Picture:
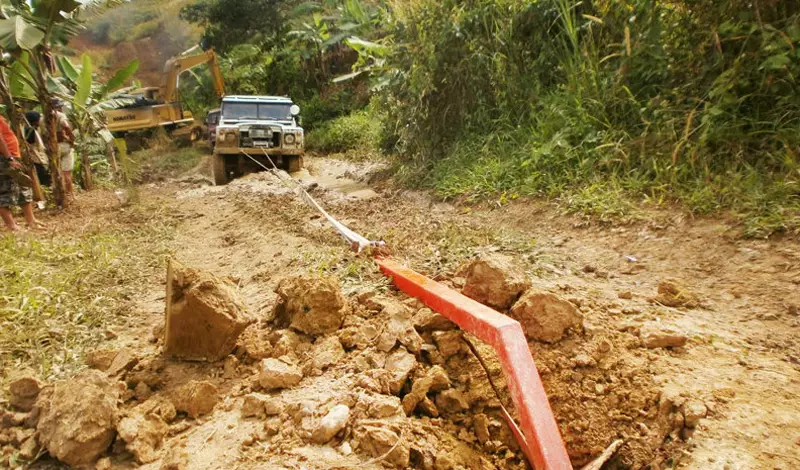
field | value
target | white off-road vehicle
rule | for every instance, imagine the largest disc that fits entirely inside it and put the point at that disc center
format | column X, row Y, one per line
column 264, row 128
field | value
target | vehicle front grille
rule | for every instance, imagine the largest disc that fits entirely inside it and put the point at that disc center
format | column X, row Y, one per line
column 260, row 137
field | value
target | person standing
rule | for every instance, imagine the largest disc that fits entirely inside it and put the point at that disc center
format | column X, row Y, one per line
column 11, row 193
column 36, row 146
column 66, row 139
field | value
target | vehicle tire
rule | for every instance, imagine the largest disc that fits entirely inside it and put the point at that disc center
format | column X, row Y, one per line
column 218, row 168
column 295, row 163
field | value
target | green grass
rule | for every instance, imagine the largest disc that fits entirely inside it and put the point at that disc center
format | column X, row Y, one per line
column 60, row 294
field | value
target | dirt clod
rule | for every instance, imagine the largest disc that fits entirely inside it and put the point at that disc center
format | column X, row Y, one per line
column 451, row 401
column 196, row 398
column 327, row 352
column 448, row 342
column 657, row 336
column 311, row 305
column 101, row 359
column 545, row 316
column 144, row 435
column 30, row 447
column 23, row 390
column 124, row 360
column 276, row 374
column 176, row 458
column 253, row 406
column 378, row 441
column 205, row 315
column 495, row 280
column 331, row 424
column 77, row 421
column 693, row 412
column 399, row 364
column 672, row 293
column 426, row 320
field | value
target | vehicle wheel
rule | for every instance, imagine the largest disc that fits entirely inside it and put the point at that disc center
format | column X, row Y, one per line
column 219, row 170
column 295, row 163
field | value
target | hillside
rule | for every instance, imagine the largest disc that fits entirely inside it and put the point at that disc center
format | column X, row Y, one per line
column 148, row 30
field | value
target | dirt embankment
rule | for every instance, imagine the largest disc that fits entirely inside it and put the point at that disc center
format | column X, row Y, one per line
column 331, row 368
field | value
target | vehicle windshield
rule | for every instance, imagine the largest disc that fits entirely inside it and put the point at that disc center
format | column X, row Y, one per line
column 271, row 111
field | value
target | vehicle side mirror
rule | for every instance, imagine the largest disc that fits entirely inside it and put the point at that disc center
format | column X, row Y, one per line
column 295, row 110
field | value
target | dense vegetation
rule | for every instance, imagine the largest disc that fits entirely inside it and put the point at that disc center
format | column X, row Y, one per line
column 600, row 105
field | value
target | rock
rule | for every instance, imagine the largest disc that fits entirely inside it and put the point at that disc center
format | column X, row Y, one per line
column 103, row 464
column 331, row 424
column 625, row 295
column 494, row 280
column 480, row 424
column 30, row 448
column 382, row 406
column 693, row 412
column 144, row 435
column 230, row 368
column 353, row 338
column 311, row 305
column 448, row 342
column 657, row 336
column 399, row 364
column 451, row 401
column 196, row 398
column 11, row 419
column 289, row 343
column 273, row 407
column 584, row 360
column 159, row 406
column 672, row 294
column 419, row 391
column 101, row 359
column 253, row 406
column 345, row 449
column 205, row 316
column 176, row 458
column 427, row 407
column 276, row 375
column 545, row 317
column 23, row 390
column 142, row 392
column 378, row 441
column 439, row 379
column 254, row 343
column 77, row 422
column 426, row 320
column 123, row 361
column 327, row 352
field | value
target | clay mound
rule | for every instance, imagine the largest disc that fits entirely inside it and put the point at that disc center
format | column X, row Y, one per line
column 310, row 304
column 205, row 316
column 494, row 280
column 545, row 316
column 77, row 419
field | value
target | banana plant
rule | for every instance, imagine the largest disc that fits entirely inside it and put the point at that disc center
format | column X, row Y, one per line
column 91, row 99
column 35, row 27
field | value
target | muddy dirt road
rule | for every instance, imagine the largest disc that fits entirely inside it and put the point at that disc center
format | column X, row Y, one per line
column 688, row 349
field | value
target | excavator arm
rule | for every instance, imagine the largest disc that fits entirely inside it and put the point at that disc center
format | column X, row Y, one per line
column 176, row 66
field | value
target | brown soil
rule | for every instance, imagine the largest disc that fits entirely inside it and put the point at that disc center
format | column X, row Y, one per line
column 725, row 400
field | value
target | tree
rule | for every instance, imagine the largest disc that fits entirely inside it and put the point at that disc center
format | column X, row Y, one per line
column 231, row 22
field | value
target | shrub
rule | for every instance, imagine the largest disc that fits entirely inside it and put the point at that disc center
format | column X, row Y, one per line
column 357, row 131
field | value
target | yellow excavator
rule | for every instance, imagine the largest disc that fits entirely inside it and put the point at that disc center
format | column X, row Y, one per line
column 160, row 107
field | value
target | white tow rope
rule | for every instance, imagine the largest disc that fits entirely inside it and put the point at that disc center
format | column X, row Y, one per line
column 356, row 241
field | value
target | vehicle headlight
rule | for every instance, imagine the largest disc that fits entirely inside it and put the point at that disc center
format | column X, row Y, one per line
column 289, row 139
